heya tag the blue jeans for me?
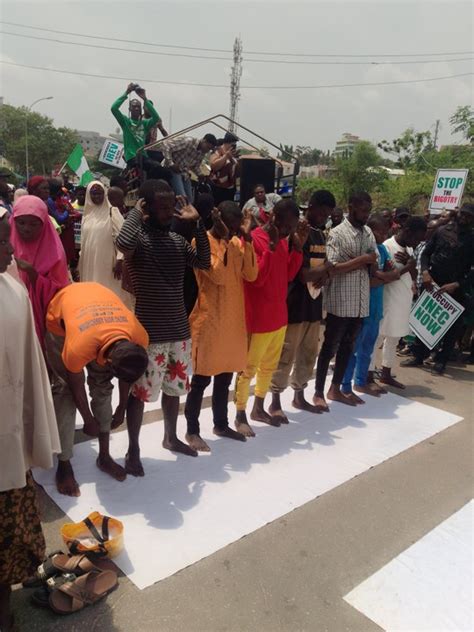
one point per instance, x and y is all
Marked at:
(360, 358)
(182, 185)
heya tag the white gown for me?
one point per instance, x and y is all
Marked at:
(28, 428)
(397, 297)
(100, 228)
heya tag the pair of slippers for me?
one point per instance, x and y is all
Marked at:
(68, 584)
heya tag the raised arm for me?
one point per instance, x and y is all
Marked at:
(199, 257)
(115, 109)
(127, 239)
(154, 118)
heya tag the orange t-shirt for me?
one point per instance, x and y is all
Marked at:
(91, 318)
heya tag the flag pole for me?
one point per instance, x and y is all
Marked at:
(59, 172)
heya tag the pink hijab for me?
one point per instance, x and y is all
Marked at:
(45, 254)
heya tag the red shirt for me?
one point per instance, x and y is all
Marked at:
(265, 298)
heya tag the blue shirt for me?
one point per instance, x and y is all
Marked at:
(376, 293)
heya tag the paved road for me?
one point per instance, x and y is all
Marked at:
(292, 574)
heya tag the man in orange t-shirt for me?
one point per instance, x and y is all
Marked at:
(89, 326)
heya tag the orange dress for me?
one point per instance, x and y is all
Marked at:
(218, 329)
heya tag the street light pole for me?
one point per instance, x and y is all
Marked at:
(28, 110)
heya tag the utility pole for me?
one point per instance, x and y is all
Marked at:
(435, 141)
(27, 155)
(235, 76)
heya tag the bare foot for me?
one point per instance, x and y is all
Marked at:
(229, 434)
(65, 482)
(264, 417)
(110, 467)
(197, 443)
(175, 445)
(242, 425)
(320, 403)
(91, 429)
(133, 465)
(278, 415)
(353, 398)
(335, 395)
(371, 381)
(368, 389)
(300, 403)
(391, 381)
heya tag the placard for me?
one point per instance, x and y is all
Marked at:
(433, 314)
(112, 154)
(447, 190)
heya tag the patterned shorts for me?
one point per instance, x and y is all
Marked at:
(168, 365)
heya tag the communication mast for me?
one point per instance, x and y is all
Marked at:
(235, 76)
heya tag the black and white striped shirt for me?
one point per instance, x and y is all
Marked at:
(156, 260)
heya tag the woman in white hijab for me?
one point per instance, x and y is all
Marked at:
(99, 260)
(28, 431)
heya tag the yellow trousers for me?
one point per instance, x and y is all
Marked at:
(262, 359)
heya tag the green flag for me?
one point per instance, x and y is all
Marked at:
(78, 163)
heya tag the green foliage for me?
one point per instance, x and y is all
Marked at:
(360, 172)
(286, 151)
(48, 145)
(462, 122)
(412, 190)
(307, 186)
(408, 148)
(306, 155)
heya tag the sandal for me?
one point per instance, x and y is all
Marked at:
(77, 564)
(35, 580)
(40, 597)
(84, 591)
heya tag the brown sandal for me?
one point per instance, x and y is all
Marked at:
(77, 564)
(84, 591)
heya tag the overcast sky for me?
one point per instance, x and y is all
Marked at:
(315, 117)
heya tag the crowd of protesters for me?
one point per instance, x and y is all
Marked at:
(183, 290)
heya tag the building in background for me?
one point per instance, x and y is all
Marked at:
(315, 171)
(345, 147)
(91, 142)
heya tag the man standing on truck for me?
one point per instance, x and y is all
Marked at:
(135, 130)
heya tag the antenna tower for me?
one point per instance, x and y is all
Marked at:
(235, 76)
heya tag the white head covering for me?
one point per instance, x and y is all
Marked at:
(19, 193)
(98, 210)
(101, 224)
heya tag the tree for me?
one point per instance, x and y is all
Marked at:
(47, 145)
(307, 186)
(408, 148)
(361, 171)
(462, 122)
(286, 151)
